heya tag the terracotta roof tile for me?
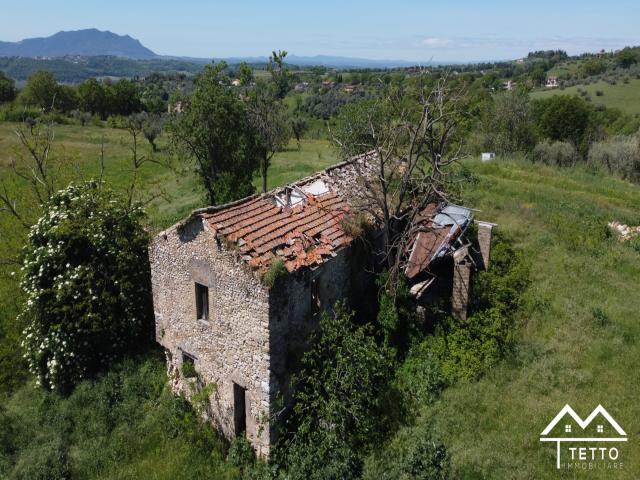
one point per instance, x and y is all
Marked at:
(302, 236)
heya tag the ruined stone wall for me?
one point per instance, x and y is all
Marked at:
(461, 288)
(348, 179)
(484, 242)
(294, 318)
(233, 346)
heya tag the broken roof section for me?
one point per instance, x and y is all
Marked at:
(440, 226)
(301, 224)
(295, 225)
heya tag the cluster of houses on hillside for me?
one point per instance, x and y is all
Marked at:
(217, 317)
(551, 82)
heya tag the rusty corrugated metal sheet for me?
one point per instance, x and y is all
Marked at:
(441, 226)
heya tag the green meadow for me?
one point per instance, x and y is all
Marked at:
(577, 336)
(624, 96)
(578, 331)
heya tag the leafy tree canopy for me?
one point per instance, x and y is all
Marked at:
(563, 117)
(40, 90)
(7, 88)
(212, 131)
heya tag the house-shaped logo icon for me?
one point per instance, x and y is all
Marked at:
(567, 426)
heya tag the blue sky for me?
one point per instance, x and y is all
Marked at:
(461, 30)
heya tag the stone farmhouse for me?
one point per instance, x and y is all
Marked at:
(222, 325)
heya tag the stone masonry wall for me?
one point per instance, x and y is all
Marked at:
(294, 318)
(461, 285)
(233, 346)
(484, 242)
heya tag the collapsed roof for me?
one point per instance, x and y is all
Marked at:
(299, 225)
(439, 227)
(304, 224)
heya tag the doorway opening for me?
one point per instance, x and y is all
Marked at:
(239, 409)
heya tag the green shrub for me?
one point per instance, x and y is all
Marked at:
(619, 155)
(19, 114)
(339, 394)
(326, 456)
(420, 375)
(241, 453)
(87, 285)
(562, 154)
(276, 271)
(397, 319)
(413, 454)
(464, 350)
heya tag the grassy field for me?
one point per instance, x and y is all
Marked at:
(625, 96)
(578, 332)
(81, 147)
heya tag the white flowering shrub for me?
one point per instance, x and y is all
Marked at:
(87, 284)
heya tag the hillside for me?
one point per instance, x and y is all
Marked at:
(623, 95)
(76, 69)
(89, 42)
(577, 337)
(575, 341)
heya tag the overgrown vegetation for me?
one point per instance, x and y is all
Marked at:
(339, 401)
(358, 383)
(86, 281)
(125, 424)
(276, 271)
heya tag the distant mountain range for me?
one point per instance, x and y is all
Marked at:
(92, 42)
(88, 43)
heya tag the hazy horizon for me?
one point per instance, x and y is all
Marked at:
(411, 31)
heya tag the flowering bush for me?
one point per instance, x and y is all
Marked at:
(87, 284)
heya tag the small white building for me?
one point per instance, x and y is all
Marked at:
(487, 156)
(552, 82)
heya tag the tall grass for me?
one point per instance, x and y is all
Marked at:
(566, 352)
(126, 424)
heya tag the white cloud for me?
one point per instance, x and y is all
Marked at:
(436, 42)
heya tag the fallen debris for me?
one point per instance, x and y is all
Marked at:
(624, 232)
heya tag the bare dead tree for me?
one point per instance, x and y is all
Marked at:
(32, 164)
(412, 139)
(136, 125)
